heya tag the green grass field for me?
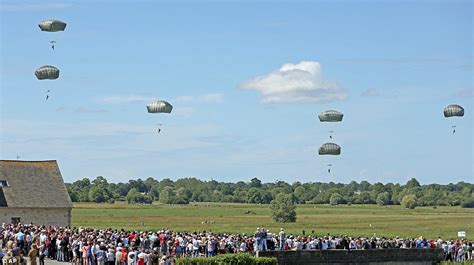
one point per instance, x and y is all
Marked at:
(354, 220)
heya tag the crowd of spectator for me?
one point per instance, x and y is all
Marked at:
(87, 246)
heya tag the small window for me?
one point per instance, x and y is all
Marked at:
(15, 220)
(3, 183)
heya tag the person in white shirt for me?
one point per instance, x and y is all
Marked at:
(325, 245)
(282, 238)
(289, 242)
(111, 256)
(196, 244)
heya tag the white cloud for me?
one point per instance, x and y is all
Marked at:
(371, 92)
(302, 82)
(125, 99)
(29, 7)
(208, 98)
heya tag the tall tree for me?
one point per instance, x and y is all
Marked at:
(283, 209)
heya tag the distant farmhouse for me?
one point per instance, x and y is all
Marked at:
(33, 191)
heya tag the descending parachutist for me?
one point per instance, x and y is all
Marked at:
(329, 170)
(159, 130)
(47, 96)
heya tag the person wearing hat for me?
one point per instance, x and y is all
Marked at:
(141, 259)
(282, 237)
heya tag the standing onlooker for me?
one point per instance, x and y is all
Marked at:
(33, 254)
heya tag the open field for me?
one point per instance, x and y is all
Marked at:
(352, 220)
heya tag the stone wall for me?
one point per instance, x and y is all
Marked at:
(40, 216)
(357, 257)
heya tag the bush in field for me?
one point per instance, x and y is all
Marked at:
(409, 201)
(133, 196)
(283, 209)
(227, 259)
(335, 199)
(468, 203)
(383, 198)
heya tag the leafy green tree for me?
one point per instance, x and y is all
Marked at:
(98, 194)
(138, 184)
(134, 196)
(149, 183)
(304, 194)
(362, 198)
(335, 199)
(322, 198)
(409, 201)
(383, 198)
(182, 196)
(412, 183)
(376, 189)
(122, 189)
(166, 183)
(167, 195)
(468, 203)
(283, 209)
(72, 193)
(194, 190)
(155, 192)
(365, 186)
(255, 183)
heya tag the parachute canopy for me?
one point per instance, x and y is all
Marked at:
(453, 111)
(159, 106)
(47, 72)
(52, 25)
(329, 149)
(330, 116)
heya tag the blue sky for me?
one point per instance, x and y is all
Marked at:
(247, 80)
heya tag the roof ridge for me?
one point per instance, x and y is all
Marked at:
(26, 161)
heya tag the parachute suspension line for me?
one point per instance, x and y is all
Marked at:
(330, 134)
(159, 106)
(48, 71)
(453, 111)
(330, 148)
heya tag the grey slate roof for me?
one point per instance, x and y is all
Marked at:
(37, 184)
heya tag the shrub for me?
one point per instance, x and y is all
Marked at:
(223, 259)
(383, 198)
(335, 199)
(468, 203)
(283, 209)
(409, 201)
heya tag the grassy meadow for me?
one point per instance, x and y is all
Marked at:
(354, 220)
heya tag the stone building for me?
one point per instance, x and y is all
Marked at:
(33, 191)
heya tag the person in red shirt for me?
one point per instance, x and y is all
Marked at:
(141, 260)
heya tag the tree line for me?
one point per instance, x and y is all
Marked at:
(186, 190)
